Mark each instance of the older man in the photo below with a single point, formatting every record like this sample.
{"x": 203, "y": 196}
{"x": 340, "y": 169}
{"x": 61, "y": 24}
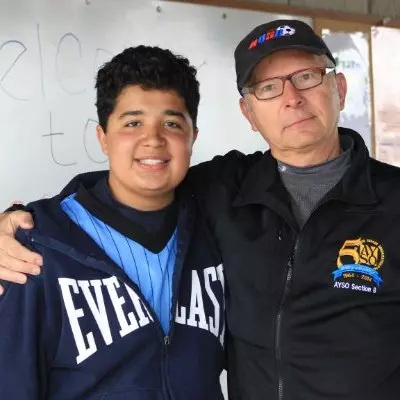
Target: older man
{"x": 307, "y": 231}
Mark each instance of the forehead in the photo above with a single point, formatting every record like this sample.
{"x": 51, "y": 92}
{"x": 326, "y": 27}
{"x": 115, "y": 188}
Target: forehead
{"x": 135, "y": 96}
{"x": 284, "y": 62}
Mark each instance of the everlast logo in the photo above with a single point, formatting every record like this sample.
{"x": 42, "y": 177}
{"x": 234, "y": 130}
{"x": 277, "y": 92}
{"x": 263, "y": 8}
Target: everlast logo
{"x": 99, "y": 300}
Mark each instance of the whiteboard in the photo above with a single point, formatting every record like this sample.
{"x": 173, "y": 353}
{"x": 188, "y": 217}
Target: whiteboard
{"x": 49, "y": 54}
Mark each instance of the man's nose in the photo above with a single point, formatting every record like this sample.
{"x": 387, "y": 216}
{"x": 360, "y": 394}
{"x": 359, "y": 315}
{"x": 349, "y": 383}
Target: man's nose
{"x": 291, "y": 95}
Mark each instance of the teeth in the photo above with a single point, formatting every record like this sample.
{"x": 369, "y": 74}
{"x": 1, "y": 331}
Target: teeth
{"x": 152, "y": 162}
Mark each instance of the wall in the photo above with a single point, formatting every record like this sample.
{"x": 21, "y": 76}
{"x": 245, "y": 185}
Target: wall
{"x": 383, "y": 8}
{"x": 387, "y": 11}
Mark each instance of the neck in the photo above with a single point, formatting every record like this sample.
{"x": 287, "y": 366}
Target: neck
{"x": 140, "y": 202}
{"x": 309, "y": 156}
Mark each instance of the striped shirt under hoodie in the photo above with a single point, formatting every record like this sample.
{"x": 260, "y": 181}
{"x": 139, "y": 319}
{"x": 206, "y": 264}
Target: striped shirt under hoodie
{"x": 148, "y": 262}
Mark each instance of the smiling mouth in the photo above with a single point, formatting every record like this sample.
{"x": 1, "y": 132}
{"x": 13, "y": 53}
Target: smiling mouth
{"x": 152, "y": 161}
{"x": 152, "y": 164}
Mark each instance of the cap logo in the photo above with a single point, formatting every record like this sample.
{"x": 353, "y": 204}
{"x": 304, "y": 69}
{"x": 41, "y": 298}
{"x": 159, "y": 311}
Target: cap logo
{"x": 281, "y": 31}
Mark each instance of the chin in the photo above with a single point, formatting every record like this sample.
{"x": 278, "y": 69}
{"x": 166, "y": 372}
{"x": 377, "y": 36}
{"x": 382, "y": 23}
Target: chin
{"x": 155, "y": 188}
{"x": 309, "y": 134}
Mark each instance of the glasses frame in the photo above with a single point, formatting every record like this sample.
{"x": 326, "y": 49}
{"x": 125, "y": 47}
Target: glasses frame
{"x": 250, "y": 89}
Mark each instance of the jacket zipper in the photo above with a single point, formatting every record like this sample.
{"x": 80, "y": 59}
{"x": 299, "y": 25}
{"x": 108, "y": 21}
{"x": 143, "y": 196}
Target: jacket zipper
{"x": 168, "y": 337}
{"x": 175, "y": 293}
{"x": 278, "y": 350}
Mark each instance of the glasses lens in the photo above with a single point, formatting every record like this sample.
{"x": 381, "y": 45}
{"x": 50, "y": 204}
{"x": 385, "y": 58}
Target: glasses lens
{"x": 307, "y": 79}
{"x": 268, "y": 89}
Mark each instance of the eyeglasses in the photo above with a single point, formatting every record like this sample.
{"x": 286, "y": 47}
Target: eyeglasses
{"x": 301, "y": 80}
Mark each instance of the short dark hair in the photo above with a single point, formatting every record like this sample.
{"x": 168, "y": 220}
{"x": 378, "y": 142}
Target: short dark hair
{"x": 151, "y": 68}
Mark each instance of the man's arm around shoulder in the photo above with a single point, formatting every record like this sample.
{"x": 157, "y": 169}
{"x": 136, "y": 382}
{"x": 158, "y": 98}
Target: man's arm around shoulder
{"x": 15, "y": 259}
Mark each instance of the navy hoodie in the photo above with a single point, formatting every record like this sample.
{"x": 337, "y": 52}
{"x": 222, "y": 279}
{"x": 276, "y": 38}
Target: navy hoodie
{"x": 111, "y": 346}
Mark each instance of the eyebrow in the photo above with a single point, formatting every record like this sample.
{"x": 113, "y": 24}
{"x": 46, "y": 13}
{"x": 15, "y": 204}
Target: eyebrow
{"x": 131, "y": 113}
{"x": 134, "y": 113}
{"x": 174, "y": 113}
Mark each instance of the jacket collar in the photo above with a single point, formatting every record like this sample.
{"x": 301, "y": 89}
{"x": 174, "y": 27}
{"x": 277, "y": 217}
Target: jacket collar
{"x": 262, "y": 181}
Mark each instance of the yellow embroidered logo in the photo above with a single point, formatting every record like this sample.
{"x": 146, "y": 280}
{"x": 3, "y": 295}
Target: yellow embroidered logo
{"x": 358, "y": 263}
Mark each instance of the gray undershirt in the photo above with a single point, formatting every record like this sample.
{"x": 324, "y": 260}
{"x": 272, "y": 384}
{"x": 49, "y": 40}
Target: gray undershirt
{"x": 307, "y": 186}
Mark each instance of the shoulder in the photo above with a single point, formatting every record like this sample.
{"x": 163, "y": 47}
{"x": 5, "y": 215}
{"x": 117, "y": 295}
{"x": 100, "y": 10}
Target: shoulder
{"x": 226, "y": 168}
{"x": 385, "y": 179}
{"x": 382, "y": 172}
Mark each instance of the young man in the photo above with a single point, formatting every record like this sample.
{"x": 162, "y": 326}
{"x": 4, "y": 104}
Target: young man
{"x": 130, "y": 304}
{"x": 307, "y": 232}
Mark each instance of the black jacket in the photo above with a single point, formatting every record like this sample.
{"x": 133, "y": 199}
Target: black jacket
{"x": 313, "y": 314}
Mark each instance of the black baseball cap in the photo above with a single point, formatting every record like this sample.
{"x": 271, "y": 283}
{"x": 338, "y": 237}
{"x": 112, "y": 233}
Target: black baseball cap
{"x": 273, "y": 36}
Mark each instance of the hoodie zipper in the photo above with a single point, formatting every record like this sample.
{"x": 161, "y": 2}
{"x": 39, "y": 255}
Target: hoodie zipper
{"x": 168, "y": 337}
{"x": 278, "y": 334}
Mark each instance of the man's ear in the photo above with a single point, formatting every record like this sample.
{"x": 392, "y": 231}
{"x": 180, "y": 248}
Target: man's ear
{"x": 342, "y": 89}
{"x": 102, "y": 138}
{"x": 245, "y": 107}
